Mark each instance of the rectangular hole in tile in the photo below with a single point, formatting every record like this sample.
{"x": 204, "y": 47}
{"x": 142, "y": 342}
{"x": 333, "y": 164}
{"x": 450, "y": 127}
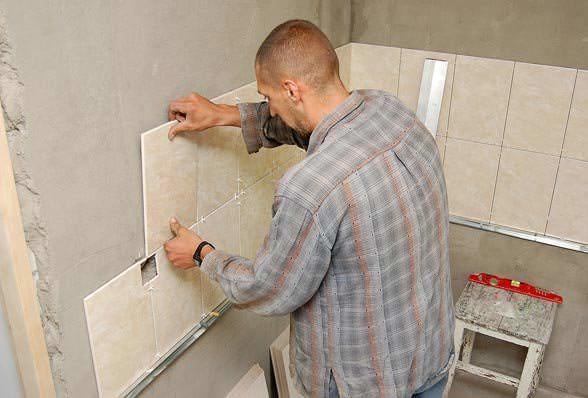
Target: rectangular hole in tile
{"x": 149, "y": 270}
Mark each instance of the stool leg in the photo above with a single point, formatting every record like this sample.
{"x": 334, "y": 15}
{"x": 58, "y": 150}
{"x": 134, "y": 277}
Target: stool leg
{"x": 531, "y": 371}
{"x": 457, "y": 341}
{"x": 468, "y": 344}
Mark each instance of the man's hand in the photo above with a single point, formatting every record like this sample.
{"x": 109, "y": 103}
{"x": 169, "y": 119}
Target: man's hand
{"x": 181, "y": 248}
{"x": 196, "y": 113}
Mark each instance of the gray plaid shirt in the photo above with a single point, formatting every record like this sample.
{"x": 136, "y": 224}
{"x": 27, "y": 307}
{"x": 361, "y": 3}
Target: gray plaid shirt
{"x": 357, "y": 250}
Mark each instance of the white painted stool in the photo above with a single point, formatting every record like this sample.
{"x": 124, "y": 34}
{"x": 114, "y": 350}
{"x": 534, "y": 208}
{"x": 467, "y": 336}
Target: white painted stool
{"x": 504, "y": 315}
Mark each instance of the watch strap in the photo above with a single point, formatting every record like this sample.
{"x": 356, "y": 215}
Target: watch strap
{"x": 198, "y": 253}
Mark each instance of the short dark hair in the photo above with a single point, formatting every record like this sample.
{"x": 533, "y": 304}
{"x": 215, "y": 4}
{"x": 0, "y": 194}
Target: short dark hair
{"x": 299, "y": 49}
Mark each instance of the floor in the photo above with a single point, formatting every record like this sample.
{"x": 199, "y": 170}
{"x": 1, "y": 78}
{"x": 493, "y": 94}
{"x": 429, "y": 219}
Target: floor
{"x": 467, "y": 386}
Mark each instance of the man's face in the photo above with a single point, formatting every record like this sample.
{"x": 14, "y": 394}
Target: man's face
{"x": 284, "y": 104}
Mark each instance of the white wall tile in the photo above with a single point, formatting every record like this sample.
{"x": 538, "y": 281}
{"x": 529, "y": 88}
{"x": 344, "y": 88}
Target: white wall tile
{"x": 576, "y": 140}
{"x": 375, "y": 67}
{"x": 569, "y": 211}
{"x": 539, "y": 105}
{"x": 524, "y": 189}
{"x": 479, "y": 101}
{"x": 470, "y": 171}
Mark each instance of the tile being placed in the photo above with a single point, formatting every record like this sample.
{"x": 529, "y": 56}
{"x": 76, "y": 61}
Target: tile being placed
{"x": 409, "y": 84}
{"x": 120, "y": 328}
{"x": 170, "y": 181}
{"x": 344, "y": 55}
{"x": 255, "y": 215}
{"x": 538, "y": 109}
{"x": 177, "y": 301}
{"x": 576, "y": 141}
{"x": 470, "y": 171}
{"x": 523, "y": 189}
{"x": 220, "y": 228}
{"x": 375, "y": 67}
{"x": 479, "y": 102}
{"x": 568, "y": 218}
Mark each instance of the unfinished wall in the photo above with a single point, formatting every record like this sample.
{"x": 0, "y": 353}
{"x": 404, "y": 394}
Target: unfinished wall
{"x": 94, "y": 77}
{"x": 551, "y": 32}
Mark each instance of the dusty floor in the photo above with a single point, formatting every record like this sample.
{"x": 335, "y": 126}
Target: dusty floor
{"x": 468, "y": 386}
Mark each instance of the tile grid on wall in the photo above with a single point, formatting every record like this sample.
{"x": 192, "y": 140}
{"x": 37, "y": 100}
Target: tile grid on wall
{"x": 522, "y": 133}
{"x": 502, "y": 141}
{"x": 561, "y": 151}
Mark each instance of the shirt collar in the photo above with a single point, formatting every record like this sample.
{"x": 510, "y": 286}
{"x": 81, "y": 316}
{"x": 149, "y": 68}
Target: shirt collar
{"x": 351, "y": 103}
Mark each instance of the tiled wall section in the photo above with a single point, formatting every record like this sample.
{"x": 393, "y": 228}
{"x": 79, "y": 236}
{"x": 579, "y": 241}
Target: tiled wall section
{"x": 209, "y": 181}
{"x": 513, "y": 136}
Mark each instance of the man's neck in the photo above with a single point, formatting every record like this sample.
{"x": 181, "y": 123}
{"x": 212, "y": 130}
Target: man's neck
{"x": 324, "y": 105}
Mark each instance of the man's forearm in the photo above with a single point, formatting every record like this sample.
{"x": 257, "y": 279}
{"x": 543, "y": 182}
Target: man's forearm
{"x": 228, "y": 115}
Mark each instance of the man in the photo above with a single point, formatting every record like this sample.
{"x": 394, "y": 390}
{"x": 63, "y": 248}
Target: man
{"x": 357, "y": 249}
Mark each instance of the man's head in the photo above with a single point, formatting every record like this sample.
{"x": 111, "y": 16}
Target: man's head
{"x": 297, "y": 70}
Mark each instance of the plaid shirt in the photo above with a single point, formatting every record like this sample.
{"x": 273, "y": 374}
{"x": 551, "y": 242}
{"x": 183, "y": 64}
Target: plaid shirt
{"x": 357, "y": 250}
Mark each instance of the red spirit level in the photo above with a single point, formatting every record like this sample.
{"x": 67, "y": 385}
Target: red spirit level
{"x": 515, "y": 286}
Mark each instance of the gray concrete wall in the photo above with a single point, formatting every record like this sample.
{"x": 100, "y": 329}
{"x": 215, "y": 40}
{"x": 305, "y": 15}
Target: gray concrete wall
{"x": 552, "y": 32}
{"x": 93, "y": 76}
{"x": 564, "y": 271}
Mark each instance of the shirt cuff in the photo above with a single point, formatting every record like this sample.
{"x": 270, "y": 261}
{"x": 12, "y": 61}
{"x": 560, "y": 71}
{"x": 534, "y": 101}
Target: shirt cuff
{"x": 248, "y": 112}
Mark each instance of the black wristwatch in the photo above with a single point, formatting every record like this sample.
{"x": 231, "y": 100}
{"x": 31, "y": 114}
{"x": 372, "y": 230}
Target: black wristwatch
{"x": 197, "y": 254}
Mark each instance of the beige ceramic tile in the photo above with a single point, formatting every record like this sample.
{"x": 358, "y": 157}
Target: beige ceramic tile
{"x": 409, "y": 85}
{"x": 576, "y": 141}
{"x": 470, "y": 171}
{"x": 170, "y": 180}
{"x": 374, "y": 67}
{"x": 255, "y": 215}
{"x": 344, "y": 55}
{"x": 569, "y": 211}
{"x": 177, "y": 302}
{"x": 539, "y": 106}
{"x": 220, "y": 228}
{"x": 523, "y": 189}
{"x": 479, "y": 101}
{"x": 120, "y": 328}
{"x": 284, "y": 154}
{"x": 217, "y": 167}
{"x": 254, "y": 166}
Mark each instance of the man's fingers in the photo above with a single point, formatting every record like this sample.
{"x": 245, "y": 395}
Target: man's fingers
{"x": 177, "y": 129}
{"x": 175, "y": 226}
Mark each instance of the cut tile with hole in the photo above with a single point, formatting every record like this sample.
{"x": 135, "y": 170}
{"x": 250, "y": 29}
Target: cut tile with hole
{"x": 170, "y": 180}
{"x": 568, "y": 218}
{"x": 344, "y": 55}
{"x": 470, "y": 171}
{"x": 409, "y": 84}
{"x": 539, "y": 105}
{"x": 220, "y": 228}
{"x": 375, "y": 67}
{"x": 576, "y": 141}
{"x": 177, "y": 302}
{"x": 479, "y": 100}
{"x": 120, "y": 328}
{"x": 255, "y": 215}
{"x": 523, "y": 189}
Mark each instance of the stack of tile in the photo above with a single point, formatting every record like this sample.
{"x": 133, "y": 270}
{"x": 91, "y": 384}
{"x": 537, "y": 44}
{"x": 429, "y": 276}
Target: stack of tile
{"x": 280, "y": 353}
{"x": 252, "y": 385}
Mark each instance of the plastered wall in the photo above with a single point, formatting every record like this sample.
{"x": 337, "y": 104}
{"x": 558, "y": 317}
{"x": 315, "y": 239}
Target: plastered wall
{"x": 92, "y": 77}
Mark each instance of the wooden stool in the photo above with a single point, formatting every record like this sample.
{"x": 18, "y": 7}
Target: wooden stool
{"x": 504, "y": 315}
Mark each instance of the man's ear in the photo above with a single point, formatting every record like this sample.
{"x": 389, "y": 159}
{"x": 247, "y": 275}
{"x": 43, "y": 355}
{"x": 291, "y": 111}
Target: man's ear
{"x": 292, "y": 90}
